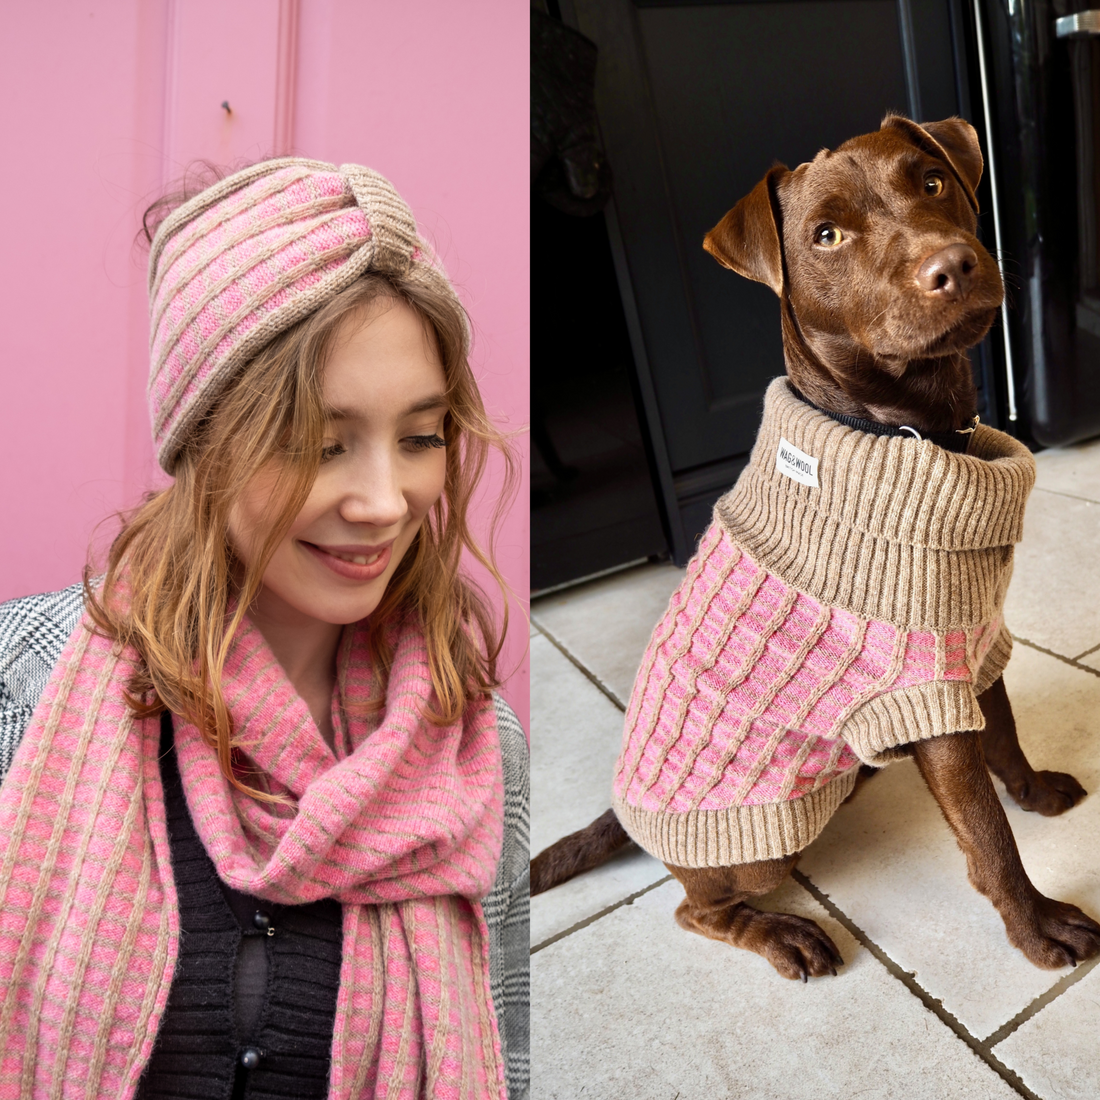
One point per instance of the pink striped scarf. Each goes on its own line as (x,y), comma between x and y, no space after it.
(403,825)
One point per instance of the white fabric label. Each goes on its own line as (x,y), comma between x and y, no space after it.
(796,464)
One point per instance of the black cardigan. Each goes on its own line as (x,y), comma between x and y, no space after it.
(253,1000)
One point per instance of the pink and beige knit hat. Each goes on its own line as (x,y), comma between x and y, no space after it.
(245,259)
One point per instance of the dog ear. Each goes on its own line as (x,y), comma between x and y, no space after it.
(959,141)
(748,239)
(954,141)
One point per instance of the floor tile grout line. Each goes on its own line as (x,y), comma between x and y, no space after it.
(935,1006)
(1006,1029)
(628,900)
(1069,496)
(1073,662)
(580,666)
(1087,652)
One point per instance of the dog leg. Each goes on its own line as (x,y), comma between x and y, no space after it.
(1050,933)
(1047,793)
(715,907)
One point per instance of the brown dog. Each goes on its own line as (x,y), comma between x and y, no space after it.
(883,287)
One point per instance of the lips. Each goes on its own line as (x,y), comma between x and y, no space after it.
(354,562)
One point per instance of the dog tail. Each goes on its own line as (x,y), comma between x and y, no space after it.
(578,852)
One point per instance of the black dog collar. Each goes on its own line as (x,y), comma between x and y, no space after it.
(957,440)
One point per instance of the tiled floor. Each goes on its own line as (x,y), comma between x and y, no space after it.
(932,1001)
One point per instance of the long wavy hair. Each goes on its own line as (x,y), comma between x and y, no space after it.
(175,591)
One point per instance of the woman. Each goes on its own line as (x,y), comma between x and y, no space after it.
(248,828)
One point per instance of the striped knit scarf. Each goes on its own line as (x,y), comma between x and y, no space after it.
(403,825)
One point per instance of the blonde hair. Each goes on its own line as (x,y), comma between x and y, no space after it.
(171,573)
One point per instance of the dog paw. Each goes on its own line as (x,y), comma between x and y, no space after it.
(1048,793)
(797,947)
(1057,934)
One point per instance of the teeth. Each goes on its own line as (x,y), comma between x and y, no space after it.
(359,559)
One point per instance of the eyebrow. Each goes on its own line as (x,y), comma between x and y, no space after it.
(428,404)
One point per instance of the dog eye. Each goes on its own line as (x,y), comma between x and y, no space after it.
(933,185)
(828,236)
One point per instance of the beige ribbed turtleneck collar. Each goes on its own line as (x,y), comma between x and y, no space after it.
(897,529)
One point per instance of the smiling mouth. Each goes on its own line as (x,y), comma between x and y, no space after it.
(347,563)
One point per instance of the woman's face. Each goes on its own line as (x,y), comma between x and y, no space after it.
(383,468)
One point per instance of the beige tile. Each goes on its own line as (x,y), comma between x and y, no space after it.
(632,1006)
(1054,599)
(606,624)
(575,735)
(1073,470)
(888,860)
(1055,1052)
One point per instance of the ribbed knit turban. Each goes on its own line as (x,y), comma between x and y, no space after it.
(245,259)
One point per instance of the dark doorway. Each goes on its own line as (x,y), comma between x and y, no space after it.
(592,501)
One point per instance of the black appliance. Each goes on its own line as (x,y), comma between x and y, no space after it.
(1040,77)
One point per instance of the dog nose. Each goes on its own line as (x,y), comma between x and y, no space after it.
(949,273)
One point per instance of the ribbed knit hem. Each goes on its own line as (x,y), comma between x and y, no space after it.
(741,834)
(995,661)
(897,529)
(878,730)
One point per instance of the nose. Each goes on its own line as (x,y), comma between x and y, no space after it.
(949,273)
(373,493)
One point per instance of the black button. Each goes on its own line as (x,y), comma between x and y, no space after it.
(250,1057)
(262,921)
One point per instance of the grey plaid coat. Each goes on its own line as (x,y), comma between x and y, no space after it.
(33,631)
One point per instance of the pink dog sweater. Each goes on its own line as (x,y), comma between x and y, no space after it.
(845,601)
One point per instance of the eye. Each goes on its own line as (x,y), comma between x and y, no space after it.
(424,442)
(331,451)
(828,236)
(933,185)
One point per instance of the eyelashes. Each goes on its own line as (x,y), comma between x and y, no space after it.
(413,442)
(423,442)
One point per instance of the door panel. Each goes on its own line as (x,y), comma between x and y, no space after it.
(735,87)
(723,90)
